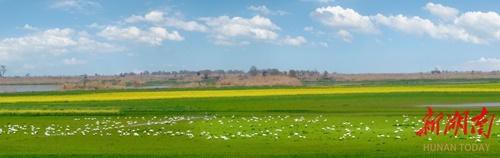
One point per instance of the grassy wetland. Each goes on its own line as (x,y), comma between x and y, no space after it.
(338,121)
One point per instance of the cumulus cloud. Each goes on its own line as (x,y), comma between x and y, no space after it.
(263,10)
(294,41)
(420,26)
(344,18)
(153,36)
(482,27)
(443,12)
(74,61)
(470,27)
(221,30)
(484,24)
(225,29)
(159,18)
(483,64)
(51,42)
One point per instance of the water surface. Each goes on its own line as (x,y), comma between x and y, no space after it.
(28,88)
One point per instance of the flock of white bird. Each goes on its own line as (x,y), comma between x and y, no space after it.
(214,127)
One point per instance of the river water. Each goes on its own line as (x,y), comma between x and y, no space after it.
(28,88)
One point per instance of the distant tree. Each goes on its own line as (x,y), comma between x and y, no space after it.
(292,73)
(220,72)
(436,71)
(204,74)
(274,72)
(253,71)
(325,74)
(85,78)
(3,69)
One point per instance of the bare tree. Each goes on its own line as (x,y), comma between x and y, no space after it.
(85,79)
(292,73)
(3,69)
(253,71)
(325,75)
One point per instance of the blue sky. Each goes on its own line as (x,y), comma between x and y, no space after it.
(71,37)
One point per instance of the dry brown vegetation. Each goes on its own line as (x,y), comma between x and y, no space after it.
(258,81)
(209,78)
(415,76)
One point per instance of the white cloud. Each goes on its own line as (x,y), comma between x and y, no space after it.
(470,27)
(222,30)
(344,18)
(484,24)
(158,18)
(482,27)
(153,36)
(154,16)
(263,10)
(294,41)
(420,26)
(29,27)
(345,35)
(483,64)
(74,61)
(51,42)
(226,29)
(84,6)
(443,12)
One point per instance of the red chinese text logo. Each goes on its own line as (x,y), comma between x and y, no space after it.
(457,122)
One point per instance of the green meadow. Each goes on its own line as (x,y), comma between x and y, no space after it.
(306,125)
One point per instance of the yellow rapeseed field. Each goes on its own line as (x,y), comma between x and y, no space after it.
(243,93)
(59,111)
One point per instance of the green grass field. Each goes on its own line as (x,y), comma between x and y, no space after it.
(376,123)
